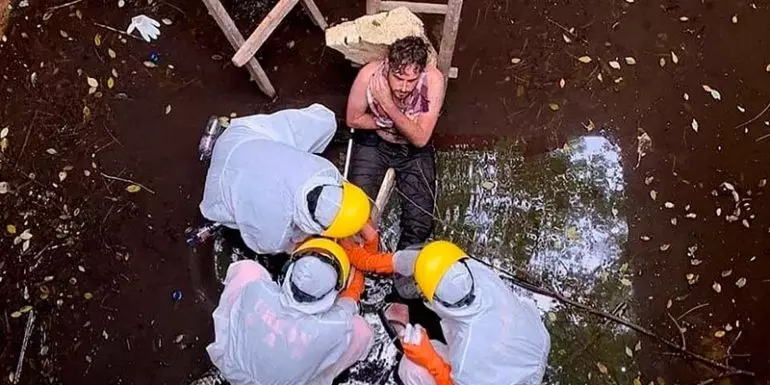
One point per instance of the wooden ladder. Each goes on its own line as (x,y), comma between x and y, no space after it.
(451,11)
(245,49)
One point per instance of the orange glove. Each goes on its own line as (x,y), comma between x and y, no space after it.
(418,349)
(355,287)
(370,261)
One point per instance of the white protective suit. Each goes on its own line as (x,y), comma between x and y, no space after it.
(261,171)
(264,337)
(499,339)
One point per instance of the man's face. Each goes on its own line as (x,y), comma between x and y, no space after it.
(402,83)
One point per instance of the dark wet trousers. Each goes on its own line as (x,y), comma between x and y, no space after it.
(415,179)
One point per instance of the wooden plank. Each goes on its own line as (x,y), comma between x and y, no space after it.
(439,9)
(226,24)
(449,36)
(315,14)
(383,196)
(372,6)
(263,31)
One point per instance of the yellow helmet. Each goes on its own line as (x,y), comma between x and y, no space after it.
(330,249)
(432,263)
(353,213)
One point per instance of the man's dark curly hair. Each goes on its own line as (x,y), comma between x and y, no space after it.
(407,51)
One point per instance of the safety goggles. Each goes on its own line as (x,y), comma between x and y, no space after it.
(464,301)
(325,257)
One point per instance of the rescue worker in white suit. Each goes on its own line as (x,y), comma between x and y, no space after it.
(303,330)
(493,336)
(265,180)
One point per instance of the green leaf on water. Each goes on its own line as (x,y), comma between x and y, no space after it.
(133,188)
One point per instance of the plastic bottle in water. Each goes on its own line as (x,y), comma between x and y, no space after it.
(202,233)
(210,134)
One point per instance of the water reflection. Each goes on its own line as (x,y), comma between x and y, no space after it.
(559,217)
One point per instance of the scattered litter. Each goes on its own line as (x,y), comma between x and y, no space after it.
(584,59)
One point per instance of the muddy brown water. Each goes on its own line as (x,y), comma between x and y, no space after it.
(510,189)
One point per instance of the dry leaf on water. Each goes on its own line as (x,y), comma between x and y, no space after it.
(665,246)
(111,53)
(741,282)
(133,188)
(566,38)
(602,367)
(168,109)
(562,83)
(637,381)
(554,106)
(662,62)
(669,205)
(653,194)
(717,287)
(719,333)
(584,59)
(694,125)
(63,34)
(638,346)
(735,19)
(166,21)
(614,64)
(98,39)
(93,83)
(11,229)
(643,145)
(110,83)
(629,352)
(726,273)
(4,132)
(714,93)
(62,176)
(674,58)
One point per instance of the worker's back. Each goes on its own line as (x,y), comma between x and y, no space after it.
(497,340)
(261,340)
(256,174)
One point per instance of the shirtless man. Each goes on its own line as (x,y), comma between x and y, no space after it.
(394,105)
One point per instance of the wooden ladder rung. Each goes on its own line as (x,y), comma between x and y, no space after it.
(439,9)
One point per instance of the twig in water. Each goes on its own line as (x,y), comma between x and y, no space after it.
(24,342)
(679,329)
(174,6)
(128,181)
(763,137)
(692,310)
(754,118)
(26,138)
(55,7)
(117,30)
(563,28)
(729,349)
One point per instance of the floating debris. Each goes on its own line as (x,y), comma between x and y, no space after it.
(741,282)
(714,93)
(669,205)
(717,287)
(694,125)
(584,59)
(653,194)
(726,273)
(630,60)
(665,247)
(674,58)
(516,60)
(614,64)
